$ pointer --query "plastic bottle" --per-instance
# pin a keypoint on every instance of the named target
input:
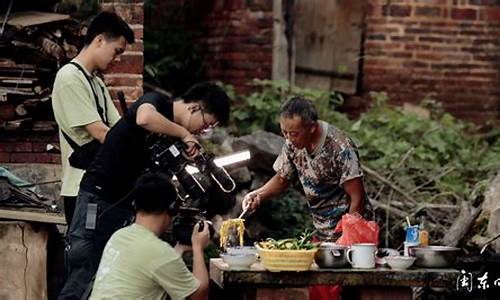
(423, 233)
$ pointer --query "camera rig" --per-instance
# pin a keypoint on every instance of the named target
(167, 155)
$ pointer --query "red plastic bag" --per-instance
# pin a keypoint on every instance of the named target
(355, 229)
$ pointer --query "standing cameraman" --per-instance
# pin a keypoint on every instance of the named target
(104, 204)
(136, 264)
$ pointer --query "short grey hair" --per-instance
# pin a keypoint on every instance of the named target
(299, 106)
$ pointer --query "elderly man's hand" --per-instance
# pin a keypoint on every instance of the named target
(251, 201)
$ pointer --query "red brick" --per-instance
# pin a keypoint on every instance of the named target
(403, 38)
(4, 157)
(430, 56)
(375, 37)
(16, 147)
(234, 5)
(432, 2)
(131, 80)
(382, 29)
(138, 33)
(372, 9)
(138, 46)
(432, 39)
(417, 30)
(444, 48)
(375, 45)
(415, 64)
(417, 47)
(492, 14)
(428, 11)
(464, 14)
(260, 5)
(396, 10)
(39, 147)
(30, 158)
(483, 2)
(127, 64)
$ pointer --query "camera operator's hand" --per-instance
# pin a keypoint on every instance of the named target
(192, 145)
(200, 239)
(251, 201)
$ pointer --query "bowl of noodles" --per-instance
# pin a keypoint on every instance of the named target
(242, 250)
(231, 234)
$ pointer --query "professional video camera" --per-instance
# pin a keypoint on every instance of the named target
(167, 155)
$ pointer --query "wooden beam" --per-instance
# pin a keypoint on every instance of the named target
(42, 217)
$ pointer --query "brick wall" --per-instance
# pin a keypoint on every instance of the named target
(126, 75)
(126, 72)
(411, 48)
(449, 47)
(237, 36)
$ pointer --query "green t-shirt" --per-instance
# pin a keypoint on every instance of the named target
(74, 107)
(136, 264)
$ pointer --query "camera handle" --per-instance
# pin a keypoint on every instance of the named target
(185, 146)
(201, 226)
(227, 177)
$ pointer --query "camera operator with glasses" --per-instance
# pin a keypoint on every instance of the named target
(104, 203)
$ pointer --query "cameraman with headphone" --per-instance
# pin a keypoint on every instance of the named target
(136, 264)
(104, 203)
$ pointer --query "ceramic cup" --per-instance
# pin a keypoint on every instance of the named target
(362, 256)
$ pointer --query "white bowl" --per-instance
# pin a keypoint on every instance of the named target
(400, 262)
(382, 253)
(242, 250)
(239, 261)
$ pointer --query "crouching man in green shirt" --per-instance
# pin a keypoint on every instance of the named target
(136, 264)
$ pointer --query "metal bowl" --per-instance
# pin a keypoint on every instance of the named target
(331, 255)
(435, 256)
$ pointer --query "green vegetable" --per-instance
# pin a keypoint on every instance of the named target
(303, 242)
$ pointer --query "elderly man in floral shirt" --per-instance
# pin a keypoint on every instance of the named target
(326, 163)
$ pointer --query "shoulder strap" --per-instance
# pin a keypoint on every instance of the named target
(72, 143)
(100, 111)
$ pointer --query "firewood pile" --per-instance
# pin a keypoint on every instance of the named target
(33, 46)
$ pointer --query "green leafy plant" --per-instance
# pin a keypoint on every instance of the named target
(260, 109)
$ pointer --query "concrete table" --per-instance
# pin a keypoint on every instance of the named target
(379, 283)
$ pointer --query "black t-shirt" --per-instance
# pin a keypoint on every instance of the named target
(123, 156)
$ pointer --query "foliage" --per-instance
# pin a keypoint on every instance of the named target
(260, 109)
(81, 9)
(173, 61)
(286, 216)
(441, 144)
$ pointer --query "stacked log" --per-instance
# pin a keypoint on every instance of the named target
(33, 46)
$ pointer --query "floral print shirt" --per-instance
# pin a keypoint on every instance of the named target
(321, 174)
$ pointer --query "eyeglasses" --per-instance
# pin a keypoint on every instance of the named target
(207, 125)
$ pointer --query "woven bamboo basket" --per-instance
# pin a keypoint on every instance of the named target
(286, 260)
